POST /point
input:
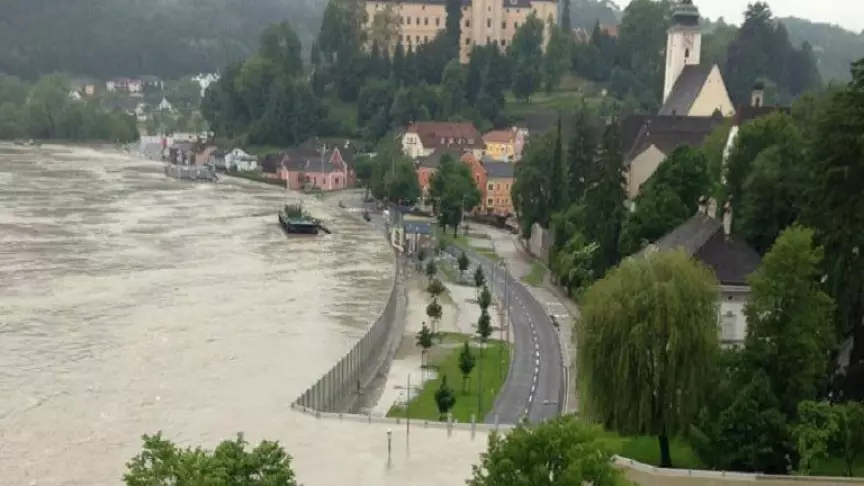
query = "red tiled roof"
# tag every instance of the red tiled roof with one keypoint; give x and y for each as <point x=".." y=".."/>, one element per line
<point x="498" y="136"/>
<point x="445" y="134"/>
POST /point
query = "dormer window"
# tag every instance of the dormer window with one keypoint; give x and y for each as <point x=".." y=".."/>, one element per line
<point x="686" y="53"/>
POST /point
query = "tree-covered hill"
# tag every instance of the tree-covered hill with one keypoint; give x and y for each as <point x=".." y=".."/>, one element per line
<point x="834" y="46"/>
<point x="167" y="38"/>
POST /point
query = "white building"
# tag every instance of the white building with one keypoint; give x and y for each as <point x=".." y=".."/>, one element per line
<point x="710" y="242"/>
<point x="205" y="80"/>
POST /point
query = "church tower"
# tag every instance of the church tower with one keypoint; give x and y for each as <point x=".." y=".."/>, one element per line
<point x="683" y="44"/>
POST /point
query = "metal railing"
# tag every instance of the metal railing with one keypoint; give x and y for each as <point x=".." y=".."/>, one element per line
<point x="346" y="383"/>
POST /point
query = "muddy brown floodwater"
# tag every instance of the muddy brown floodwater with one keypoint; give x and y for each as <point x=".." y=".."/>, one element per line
<point x="131" y="303"/>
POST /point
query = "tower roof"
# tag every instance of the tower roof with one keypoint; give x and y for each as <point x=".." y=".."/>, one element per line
<point x="685" y="14"/>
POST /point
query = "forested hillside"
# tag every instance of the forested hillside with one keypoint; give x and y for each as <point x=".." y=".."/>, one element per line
<point x="167" y="38"/>
<point x="835" y="47"/>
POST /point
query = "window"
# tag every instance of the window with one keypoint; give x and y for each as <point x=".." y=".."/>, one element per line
<point x="437" y="21"/>
<point x="489" y="201"/>
<point x="686" y="53"/>
<point x="417" y="38"/>
<point x="408" y="20"/>
<point x="489" y="23"/>
<point x="490" y="186"/>
<point x="504" y="25"/>
<point x="425" y="20"/>
<point x="503" y="42"/>
<point x="467" y="41"/>
<point x="425" y="38"/>
<point x="418" y="20"/>
<point x="488" y="39"/>
<point x="467" y="22"/>
<point x="515" y="25"/>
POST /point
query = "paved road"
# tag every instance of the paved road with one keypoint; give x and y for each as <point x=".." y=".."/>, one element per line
<point x="534" y="385"/>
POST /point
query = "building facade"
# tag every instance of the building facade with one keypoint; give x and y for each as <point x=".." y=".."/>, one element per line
<point x="499" y="183"/>
<point x="483" y="21"/>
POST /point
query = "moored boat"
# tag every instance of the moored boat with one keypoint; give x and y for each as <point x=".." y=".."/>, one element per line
<point x="295" y="220"/>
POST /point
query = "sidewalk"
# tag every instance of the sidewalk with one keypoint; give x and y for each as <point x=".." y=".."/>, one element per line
<point x="509" y="248"/>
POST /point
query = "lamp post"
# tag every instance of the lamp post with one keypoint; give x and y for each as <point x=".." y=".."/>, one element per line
<point x="389" y="446"/>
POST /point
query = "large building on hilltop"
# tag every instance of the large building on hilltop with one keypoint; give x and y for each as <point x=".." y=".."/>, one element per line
<point x="483" y="21"/>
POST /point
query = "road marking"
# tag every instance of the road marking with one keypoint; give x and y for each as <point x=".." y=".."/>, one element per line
<point x="530" y="398"/>
<point x="536" y="345"/>
<point x="536" y="372"/>
<point x="538" y="361"/>
<point x="533" y="387"/>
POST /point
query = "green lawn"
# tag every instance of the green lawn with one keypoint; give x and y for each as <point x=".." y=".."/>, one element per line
<point x="464" y="242"/>
<point x="446" y="363"/>
<point x="647" y="451"/>
<point x="537" y="275"/>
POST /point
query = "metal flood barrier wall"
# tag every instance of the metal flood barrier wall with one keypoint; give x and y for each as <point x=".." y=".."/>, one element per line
<point x="349" y="377"/>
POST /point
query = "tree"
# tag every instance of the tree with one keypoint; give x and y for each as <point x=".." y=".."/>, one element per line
<point x="826" y="431"/>
<point x="479" y="279"/>
<point x="434" y="311"/>
<point x="425" y="340"/>
<point x="484" y="327"/>
<point x="789" y="329"/>
<point x="280" y="45"/>
<point x="526" y="55"/>
<point x="573" y="264"/>
<point x="454" y="191"/>
<point x="604" y="210"/>
<point x="560" y="452"/>
<point x="463" y="263"/>
<point x="669" y="197"/>
<point x="556" y="61"/>
<point x="466" y="365"/>
<point x="453" y="27"/>
<point x="47" y="101"/>
<point x="231" y="464"/>
<point x="663" y="323"/>
<point x="445" y="399"/>
<point x="835" y="205"/>
<point x="581" y="151"/>
<point x="435" y="288"/>
<point x="485" y="299"/>
<point x="431" y="269"/>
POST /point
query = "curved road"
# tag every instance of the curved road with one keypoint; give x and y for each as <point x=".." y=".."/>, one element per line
<point x="535" y="383"/>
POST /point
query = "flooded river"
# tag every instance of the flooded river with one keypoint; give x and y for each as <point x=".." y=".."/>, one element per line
<point x="132" y="303"/>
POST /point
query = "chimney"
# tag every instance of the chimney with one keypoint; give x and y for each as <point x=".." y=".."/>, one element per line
<point x="703" y="205"/>
<point x="727" y="219"/>
<point x="757" y="97"/>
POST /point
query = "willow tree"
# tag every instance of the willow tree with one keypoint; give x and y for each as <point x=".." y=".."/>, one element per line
<point x="647" y="341"/>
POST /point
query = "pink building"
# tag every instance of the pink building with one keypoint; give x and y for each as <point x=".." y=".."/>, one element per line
<point x="306" y="169"/>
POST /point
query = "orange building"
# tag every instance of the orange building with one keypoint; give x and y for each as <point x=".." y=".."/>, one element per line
<point x="497" y="186"/>
<point x="427" y="166"/>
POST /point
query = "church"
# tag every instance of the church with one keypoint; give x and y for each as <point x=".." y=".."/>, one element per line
<point x="695" y="103"/>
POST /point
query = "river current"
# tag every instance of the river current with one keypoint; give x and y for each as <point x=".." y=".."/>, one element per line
<point x="132" y="303"/>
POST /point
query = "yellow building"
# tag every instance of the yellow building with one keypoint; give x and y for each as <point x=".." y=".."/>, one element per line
<point x="505" y="145"/>
<point x="483" y="21"/>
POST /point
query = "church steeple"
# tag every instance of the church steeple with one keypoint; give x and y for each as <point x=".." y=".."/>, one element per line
<point x="684" y="43"/>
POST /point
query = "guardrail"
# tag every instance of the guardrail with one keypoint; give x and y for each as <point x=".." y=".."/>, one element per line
<point x="345" y="384"/>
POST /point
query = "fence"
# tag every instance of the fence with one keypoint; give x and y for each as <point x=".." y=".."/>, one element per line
<point x="344" y="385"/>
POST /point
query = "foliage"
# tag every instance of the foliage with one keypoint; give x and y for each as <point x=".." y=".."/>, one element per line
<point x="484" y="326"/>
<point x="526" y="55"/>
<point x="445" y="399"/>
<point x="46" y="111"/>
<point x="453" y="191"/>
<point x="656" y="315"/>
<point x="467" y="361"/>
<point x="669" y="197"/>
<point x="559" y="452"/>
<point x="828" y="430"/>
<point x="463" y="263"/>
<point x="425" y="340"/>
<point x="789" y="331"/>
<point x="479" y="277"/>
<point x="485" y="299"/>
<point x="573" y="264"/>
<point x="433" y="310"/>
<point x="231" y="464"/>
<point x="435" y="287"/>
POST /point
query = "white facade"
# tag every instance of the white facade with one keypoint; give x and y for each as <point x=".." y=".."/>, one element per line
<point x="733" y="322"/>
<point x="683" y="48"/>
<point x="412" y="146"/>
<point x="239" y="160"/>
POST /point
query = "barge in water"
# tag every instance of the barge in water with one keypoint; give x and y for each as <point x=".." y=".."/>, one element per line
<point x="295" y="220"/>
<point x="195" y="173"/>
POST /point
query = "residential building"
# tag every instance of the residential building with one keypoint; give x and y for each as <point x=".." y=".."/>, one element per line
<point x="505" y="145"/>
<point x="75" y="95"/>
<point x="205" y="80"/>
<point x="483" y="21"/>
<point x="650" y="139"/>
<point x="165" y="105"/>
<point x="239" y="160"/>
<point x="691" y="88"/>
<point x="422" y="138"/>
<point x="124" y="84"/>
<point x="499" y="182"/>
<point x="756" y="109"/>
<point x="305" y="169"/>
<point x="152" y="82"/>
<point x="710" y="242"/>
